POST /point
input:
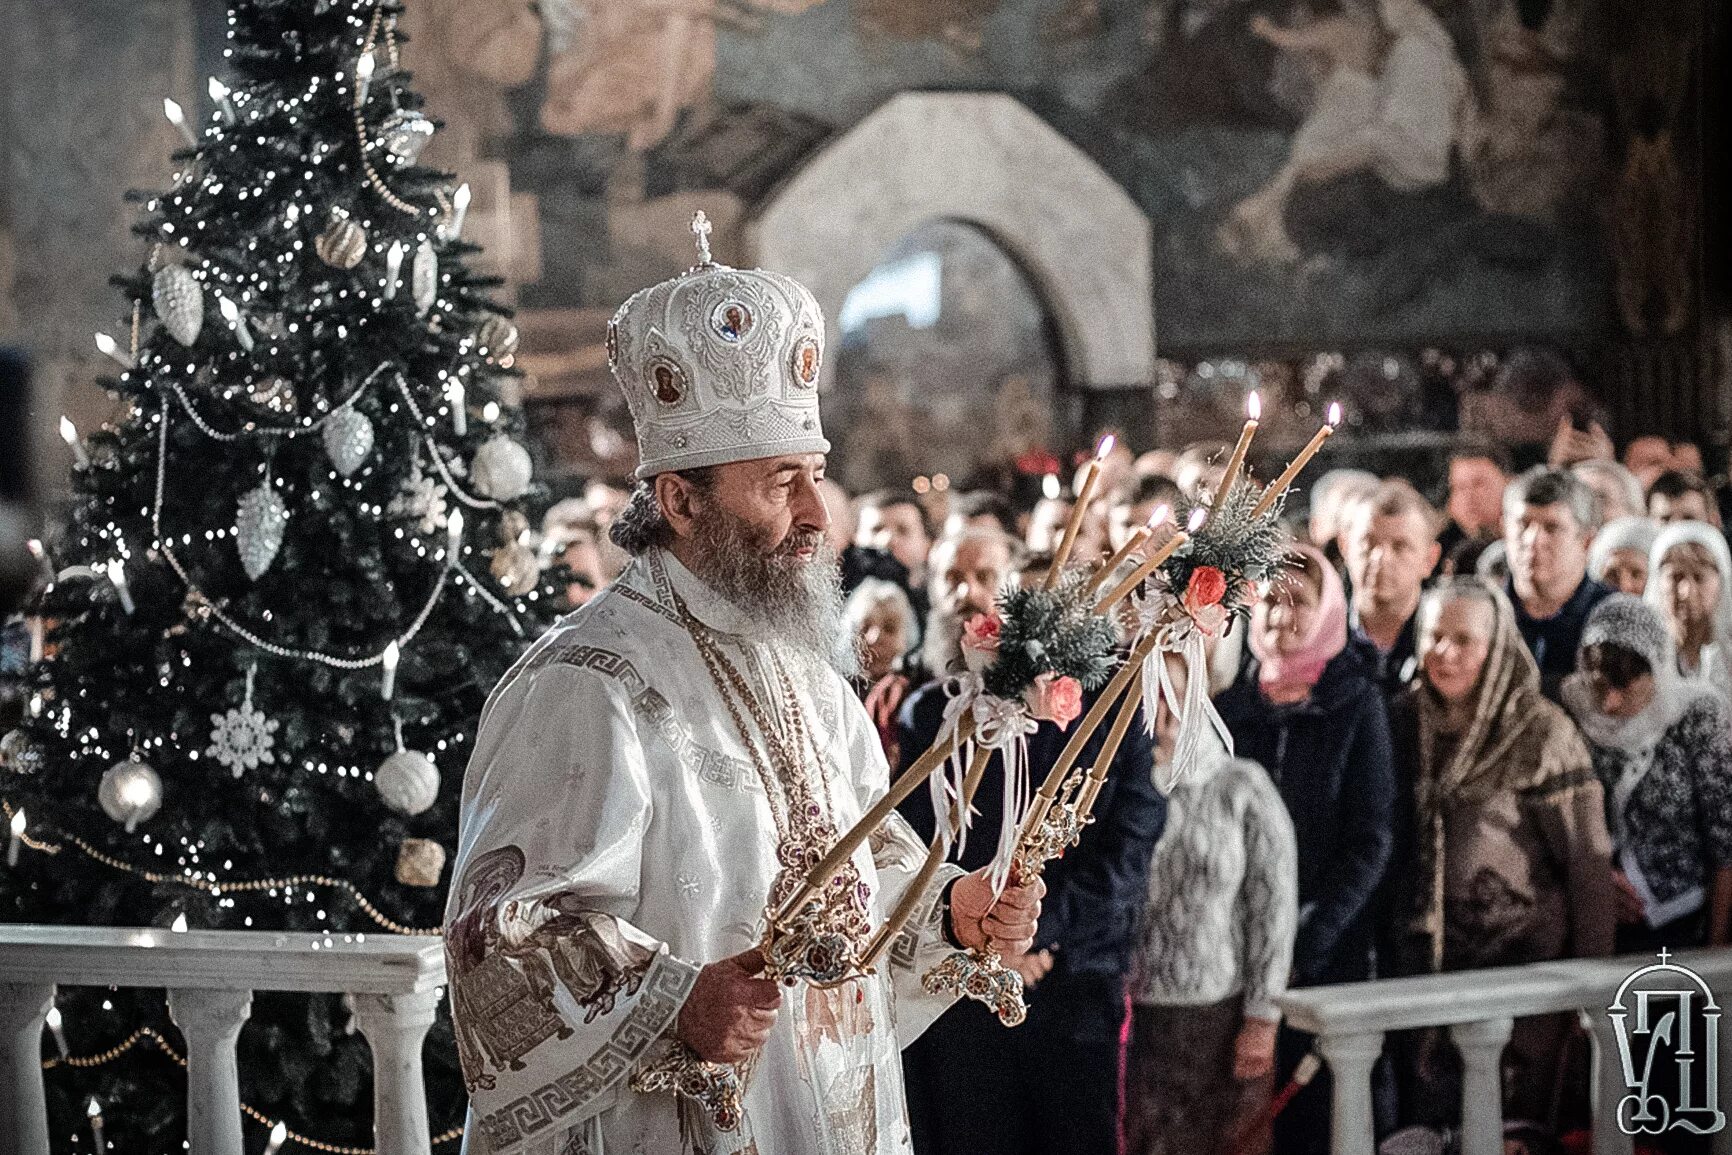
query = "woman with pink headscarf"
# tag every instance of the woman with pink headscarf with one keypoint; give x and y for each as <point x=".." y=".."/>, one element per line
<point x="1307" y="709"/>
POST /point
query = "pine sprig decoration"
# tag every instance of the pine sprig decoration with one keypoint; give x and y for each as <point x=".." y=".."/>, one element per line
<point x="1050" y="631"/>
<point x="1248" y="549"/>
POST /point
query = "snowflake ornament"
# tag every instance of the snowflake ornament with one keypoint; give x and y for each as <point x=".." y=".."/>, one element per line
<point x="423" y="498"/>
<point x="242" y="737"/>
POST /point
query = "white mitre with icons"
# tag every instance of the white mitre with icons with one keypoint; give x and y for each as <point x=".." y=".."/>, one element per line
<point x="719" y="364"/>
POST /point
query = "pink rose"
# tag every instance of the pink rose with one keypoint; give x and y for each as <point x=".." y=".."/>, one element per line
<point x="1207" y="587"/>
<point x="1210" y="619"/>
<point x="980" y="641"/>
<point x="1054" y="698"/>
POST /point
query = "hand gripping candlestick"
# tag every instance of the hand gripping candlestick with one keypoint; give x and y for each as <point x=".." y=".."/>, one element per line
<point x="1233" y="547"/>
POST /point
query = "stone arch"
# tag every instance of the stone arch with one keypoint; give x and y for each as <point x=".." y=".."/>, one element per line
<point x="986" y="159"/>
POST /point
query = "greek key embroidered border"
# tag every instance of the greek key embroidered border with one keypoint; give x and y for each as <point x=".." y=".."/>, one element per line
<point x="527" y="1116"/>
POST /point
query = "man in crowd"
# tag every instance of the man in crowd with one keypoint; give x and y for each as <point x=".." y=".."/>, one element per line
<point x="662" y="765"/>
<point x="1648" y="457"/>
<point x="1139" y="503"/>
<point x="1679" y="496"/>
<point x="1478" y="473"/>
<point x="1619" y="492"/>
<point x="1052" y="1084"/>
<point x="1549" y="521"/>
<point x="980" y="507"/>
<point x="1391" y="549"/>
<point x="893" y="521"/>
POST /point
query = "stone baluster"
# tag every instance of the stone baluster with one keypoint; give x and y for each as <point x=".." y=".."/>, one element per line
<point x="1609" y="1088"/>
<point x="395" y="1026"/>
<point x="23" y="1111"/>
<point x="1481" y="1045"/>
<point x="1350" y="1059"/>
<point x="211" y="1022"/>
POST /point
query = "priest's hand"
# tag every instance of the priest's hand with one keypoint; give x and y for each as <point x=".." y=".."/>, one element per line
<point x="1006" y="925"/>
<point x="730" y="1011"/>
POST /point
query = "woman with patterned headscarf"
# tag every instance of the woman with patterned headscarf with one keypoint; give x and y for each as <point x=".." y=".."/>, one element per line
<point x="1690" y="583"/>
<point x="1511" y="862"/>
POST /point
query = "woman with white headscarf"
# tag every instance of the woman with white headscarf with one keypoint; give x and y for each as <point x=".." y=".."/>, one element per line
<point x="1662" y="749"/>
<point x="1690" y="583"/>
<point x="1619" y="555"/>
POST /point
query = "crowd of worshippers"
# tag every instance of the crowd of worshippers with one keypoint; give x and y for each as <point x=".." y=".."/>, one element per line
<point x="1487" y="735"/>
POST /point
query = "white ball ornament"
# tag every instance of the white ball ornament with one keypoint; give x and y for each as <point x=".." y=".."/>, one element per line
<point x="130" y="792"/>
<point x="408" y="782"/>
<point x="501" y="469"/>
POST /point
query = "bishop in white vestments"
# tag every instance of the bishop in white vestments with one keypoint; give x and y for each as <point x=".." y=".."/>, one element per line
<point x="667" y="763"/>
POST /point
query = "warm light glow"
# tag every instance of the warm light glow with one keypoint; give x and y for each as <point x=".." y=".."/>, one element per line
<point x="1049" y="487"/>
<point x="36" y="548"/>
<point x="490" y="411"/>
<point x="18" y="824"/>
<point x="1161" y="514"/>
<point x="1254" y="406"/>
<point x="1198" y="517"/>
<point x="136" y="792"/>
<point x="178" y="926"/>
<point x="231" y="312"/>
<point x="106" y="345"/>
<point x="1105" y="447"/>
<point x="392" y="656"/>
<point x="364" y="67"/>
<point x="94" y="1111"/>
<point x="171" y="109"/>
<point x="460" y="198"/>
<point x="1334" y="414"/>
<point x="53" y="1019"/>
<point x="454" y="527"/>
<point x="68" y="431"/>
<point x="279" y="1136"/>
<point x="219" y="91"/>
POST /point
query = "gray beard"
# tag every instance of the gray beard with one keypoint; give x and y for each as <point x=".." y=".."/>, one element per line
<point x="793" y="604"/>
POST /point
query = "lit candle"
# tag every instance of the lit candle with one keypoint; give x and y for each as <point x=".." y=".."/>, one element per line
<point x="454" y="393"/>
<point x="388" y="684"/>
<point x="219" y="92"/>
<point x="18" y="823"/>
<point x="1236" y="462"/>
<point x="393" y="267"/>
<point x="69" y="434"/>
<point x="279" y="1136"/>
<point x="94" y="1113"/>
<point x="454" y="533"/>
<point x="1154" y="561"/>
<point x="1282" y="483"/>
<point x="116" y="570"/>
<point x="55" y="1028"/>
<point x="171" y="109"/>
<point x="363" y="78"/>
<point x="110" y="348"/>
<point x="1086" y="482"/>
<point x="1138" y="539"/>
<point x="459" y="209"/>
<point x="40" y="553"/>
<point x="232" y="314"/>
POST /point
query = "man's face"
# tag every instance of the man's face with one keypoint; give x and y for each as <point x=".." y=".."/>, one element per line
<point x="1476" y="487"/>
<point x="1648" y="458"/>
<point x="1548" y="550"/>
<point x="970" y="582"/>
<point x="1690" y="506"/>
<point x="896" y="529"/>
<point x="1389" y="556"/>
<point x="776" y="500"/>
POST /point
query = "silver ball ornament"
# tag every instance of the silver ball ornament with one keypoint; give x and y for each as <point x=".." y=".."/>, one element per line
<point x="408" y="782"/>
<point x="502" y="469"/>
<point x="130" y="792"/>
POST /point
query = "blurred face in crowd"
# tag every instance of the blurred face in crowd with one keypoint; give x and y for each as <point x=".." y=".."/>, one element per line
<point x="1476" y="487"/>
<point x="1689" y="593"/>
<point x="1648" y="458"/>
<point x="1389" y="556"/>
<point x="1687" y="456"/>
<point x="882" y="637"/>
<point x="898" y="530"/>
<point x="1455" y="638"/>
<point x="1620" y="682"/>
<point x="1548" y="552"/>
<point x="1613" y="500"/>
<point x="1046" y="524"/>
<point x="582" y="556"/>
<point x="1285" y="618"/>
<point x="1689" y="506"/>
<point x="1627" y="571"/>
<point x="972" y="576"/>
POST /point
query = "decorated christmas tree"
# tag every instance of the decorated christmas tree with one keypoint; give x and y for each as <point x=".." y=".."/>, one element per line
<point x="294" y="567"/>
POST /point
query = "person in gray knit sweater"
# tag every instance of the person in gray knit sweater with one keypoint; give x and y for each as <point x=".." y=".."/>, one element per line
<point x="1214" y="948"/>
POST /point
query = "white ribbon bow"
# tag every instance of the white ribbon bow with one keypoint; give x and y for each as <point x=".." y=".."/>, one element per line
<point x="999" y="724"/>
<point x="1176" y="633"/>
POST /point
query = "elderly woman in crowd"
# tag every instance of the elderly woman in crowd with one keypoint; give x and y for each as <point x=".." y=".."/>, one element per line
<point x="1691" y="586"/>
<point x="1662" y="749"/>
<point x="1307" y="710"/>
<point x="1619" y="555"/>
<point x="881" y="622"/>
<point x="1510" y="859"/>
<point x="1213" y="951"/>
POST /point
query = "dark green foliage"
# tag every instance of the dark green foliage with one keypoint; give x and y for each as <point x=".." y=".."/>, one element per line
<point x="1050" y="630"/>
<point x="353" y="572"/>
<point x="1247" y="550"/>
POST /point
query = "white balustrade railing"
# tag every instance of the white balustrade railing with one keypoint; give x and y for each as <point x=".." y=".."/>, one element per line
<point x="1479" y="1008"/>
<point x="395" y="983"/>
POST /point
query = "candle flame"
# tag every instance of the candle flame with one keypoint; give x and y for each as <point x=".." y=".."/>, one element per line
<point x="455" y="526"/>
<point x="1254" y="406"/>
<point x="178" y="926"/>
<point x="171" y="109"/>
<point x="18" y="824"/>
<point x="53" y="1019"/>
<point x="1161" y="514"/>
<point x="1334" y="414"/>
<point x="490" y="412"/>
<point x="116" y="570"/>
<point x="1105" y="447"/>
<point x="279" y="1134"/>
<point x="94" y="1111"/>
<point x="231" y="312"/>
<point x="1198" y="517"/>
<point x="364" y="66"/>
<point x="392" y="655"/>
<point x="68" y="431"/>
<point x="217" y="89"/>
<point x="460" y="198"/>
<point x="106" y="345"/>
<point x="1049" y="487"/>
<point x="36" y="548"/>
